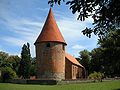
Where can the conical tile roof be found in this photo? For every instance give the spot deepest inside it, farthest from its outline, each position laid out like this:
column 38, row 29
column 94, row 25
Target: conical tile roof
column 50, row 31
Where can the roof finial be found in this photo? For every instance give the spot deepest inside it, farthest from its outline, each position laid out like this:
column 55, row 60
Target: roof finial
column 50, row 9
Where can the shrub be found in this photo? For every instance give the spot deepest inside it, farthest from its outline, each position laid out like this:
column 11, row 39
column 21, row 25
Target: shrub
column 7, row 73
column 96, row 76
column 32, row 70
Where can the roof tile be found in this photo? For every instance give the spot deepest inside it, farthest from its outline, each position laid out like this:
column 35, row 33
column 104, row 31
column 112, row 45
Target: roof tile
column 72, row 59
column 50, row 31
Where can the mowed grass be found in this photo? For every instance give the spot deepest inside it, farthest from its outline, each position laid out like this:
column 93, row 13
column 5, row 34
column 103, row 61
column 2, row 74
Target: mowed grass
column 108, row 85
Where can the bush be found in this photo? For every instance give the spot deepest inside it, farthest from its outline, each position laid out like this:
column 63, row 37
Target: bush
column 7, row 73
column 32, row 70
column 96, row 76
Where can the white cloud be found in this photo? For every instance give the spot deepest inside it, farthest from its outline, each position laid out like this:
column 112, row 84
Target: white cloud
column 75, row 49
column 25, row 29
column 78, row 47
column 42, row 9
column 0, row 47
column 22, row 26
column 13, row 41
column 71, row 30
column 28, row 29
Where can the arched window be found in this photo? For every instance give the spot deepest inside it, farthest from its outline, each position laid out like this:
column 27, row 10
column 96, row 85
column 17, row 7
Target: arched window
column 48, row 45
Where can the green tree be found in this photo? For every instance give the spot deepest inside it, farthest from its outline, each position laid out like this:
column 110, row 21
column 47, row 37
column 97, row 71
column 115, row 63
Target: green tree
column 33, row 67
column 105, row 14
column 25, row 63
column 111, row 53
column 10, row 61
column 4, row 59
column 96, row 60
column 7, row 73
column 14, row 61
column 85, row 60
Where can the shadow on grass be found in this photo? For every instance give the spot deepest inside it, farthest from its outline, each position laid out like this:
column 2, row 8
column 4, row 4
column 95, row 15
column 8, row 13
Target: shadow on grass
column 117, row 89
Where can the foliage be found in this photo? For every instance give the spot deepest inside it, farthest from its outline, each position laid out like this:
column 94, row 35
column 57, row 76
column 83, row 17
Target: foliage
column 25, row 63
column 7, row 73
column 14, row 61
column 96, row 60
column 96, row 76
column 32, row 70
column 105, row 14
column 4, row 59
column 11, row 61
column 112, row 40
column 33, row 67
column 105, row 58
column 85, row 60
column 24, row 66
column 110, row 47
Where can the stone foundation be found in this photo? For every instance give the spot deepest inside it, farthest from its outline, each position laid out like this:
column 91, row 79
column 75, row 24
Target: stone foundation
column 51, row 76
column 37, row 81
column 48, row 82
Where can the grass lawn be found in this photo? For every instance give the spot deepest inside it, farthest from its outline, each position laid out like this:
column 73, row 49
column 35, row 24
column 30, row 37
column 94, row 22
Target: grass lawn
column 108, row 85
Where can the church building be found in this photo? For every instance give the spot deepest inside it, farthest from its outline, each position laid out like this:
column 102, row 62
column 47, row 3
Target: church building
column 53, row 63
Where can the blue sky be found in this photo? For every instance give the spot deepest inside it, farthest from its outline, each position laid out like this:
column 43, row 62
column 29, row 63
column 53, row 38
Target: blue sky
column 21, row 21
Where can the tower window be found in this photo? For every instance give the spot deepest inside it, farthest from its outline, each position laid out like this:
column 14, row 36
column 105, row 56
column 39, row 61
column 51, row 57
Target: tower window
column 63, row 47
column 48, row 45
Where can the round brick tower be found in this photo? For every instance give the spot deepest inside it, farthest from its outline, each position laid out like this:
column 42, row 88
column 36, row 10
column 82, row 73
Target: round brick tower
column 50, row 51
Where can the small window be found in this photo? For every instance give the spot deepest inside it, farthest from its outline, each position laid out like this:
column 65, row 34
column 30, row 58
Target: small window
column 48, row 45
column 63, row 47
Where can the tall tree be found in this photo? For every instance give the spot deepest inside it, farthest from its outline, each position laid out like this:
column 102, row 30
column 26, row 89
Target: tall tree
column 33, row 67
column 105, row 14
column 96, row 60
column 25, row 63
column 85, row 60
column 111, row 53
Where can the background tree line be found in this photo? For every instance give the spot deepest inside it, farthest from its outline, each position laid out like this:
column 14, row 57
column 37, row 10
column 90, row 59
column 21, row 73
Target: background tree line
column 105, row 58
column 13, row 66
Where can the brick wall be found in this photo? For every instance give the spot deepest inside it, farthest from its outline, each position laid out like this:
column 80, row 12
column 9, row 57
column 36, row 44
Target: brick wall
column 72, row 71
column 68, row 69
column 50, row 61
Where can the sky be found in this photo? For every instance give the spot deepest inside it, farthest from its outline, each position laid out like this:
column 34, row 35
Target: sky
column 21, row 21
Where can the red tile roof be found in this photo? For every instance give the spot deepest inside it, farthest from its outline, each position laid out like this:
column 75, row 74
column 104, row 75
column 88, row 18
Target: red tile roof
column 72, row 59
column 50, row 31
